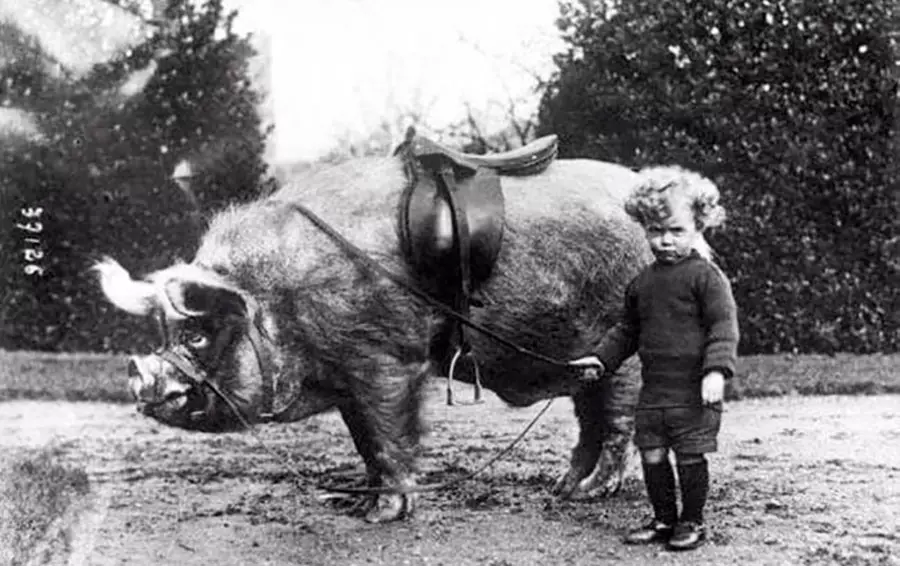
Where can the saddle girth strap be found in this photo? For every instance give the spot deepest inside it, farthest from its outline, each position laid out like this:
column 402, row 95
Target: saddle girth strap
column 446, row 183
column 461, row 237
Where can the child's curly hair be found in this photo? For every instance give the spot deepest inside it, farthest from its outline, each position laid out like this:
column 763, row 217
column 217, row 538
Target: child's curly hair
column 665, row 187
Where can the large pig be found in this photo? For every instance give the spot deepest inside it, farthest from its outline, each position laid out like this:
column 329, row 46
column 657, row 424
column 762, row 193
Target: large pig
column 284, row 321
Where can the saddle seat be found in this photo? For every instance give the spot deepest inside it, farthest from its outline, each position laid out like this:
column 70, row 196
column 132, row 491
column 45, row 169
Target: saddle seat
column 529, row 159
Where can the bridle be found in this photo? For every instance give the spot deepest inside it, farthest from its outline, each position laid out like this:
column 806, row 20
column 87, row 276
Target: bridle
column 201, row 378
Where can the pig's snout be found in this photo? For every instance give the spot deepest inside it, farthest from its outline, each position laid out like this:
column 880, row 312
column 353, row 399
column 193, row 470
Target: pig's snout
column 141, row 381
column 151, row 388
column 133, row 371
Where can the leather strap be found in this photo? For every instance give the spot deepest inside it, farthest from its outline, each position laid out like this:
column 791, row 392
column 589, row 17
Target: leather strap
column 461, row 240
column 462, row 243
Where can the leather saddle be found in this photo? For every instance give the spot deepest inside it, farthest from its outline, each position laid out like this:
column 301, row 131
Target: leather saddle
column 451, row 214
column 450, row 222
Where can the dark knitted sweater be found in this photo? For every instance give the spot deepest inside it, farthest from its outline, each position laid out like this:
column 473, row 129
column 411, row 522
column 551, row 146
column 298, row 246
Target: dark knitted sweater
column 681, row 319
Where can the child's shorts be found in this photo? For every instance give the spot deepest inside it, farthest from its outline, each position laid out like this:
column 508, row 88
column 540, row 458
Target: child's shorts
column 686, row 430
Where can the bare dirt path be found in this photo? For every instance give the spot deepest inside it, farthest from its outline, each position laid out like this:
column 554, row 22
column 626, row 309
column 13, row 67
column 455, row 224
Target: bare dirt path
column 798, row 480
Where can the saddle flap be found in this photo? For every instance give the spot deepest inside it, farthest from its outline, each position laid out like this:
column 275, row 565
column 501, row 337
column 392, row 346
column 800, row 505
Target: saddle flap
column 441, row 249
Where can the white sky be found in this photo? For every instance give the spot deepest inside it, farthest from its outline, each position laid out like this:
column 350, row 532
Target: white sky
column 342, row 66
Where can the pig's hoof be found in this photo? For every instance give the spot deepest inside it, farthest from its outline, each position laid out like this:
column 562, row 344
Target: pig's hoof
column 387, row 508
column 566, row 485
column 600, row 483
column 596, row 485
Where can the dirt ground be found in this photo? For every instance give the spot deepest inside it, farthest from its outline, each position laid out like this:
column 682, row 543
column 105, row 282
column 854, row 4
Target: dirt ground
column 798, row 480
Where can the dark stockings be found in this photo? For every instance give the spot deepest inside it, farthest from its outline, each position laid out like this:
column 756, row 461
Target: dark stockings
column 660, row 484
column 693, row 475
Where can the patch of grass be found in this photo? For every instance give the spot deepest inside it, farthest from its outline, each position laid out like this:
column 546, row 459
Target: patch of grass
column 35, row 491
column 842, row 374
column 69, row 377
column 101, row 377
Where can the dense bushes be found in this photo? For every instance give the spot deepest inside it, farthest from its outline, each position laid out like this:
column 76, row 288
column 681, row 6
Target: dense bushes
column 101, row 177
column 790, row 106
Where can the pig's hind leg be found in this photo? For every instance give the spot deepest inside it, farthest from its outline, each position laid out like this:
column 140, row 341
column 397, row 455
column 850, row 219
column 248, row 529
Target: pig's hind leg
column 605, row 413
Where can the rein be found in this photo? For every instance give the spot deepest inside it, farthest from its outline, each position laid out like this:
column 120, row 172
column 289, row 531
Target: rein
column 404, row 283
column 422, row 488
column 255, row 337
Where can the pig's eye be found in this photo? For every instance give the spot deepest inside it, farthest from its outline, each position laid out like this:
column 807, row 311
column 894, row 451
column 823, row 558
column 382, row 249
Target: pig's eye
column 196, row 340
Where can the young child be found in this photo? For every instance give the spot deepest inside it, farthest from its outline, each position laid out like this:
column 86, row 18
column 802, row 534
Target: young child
column 681, row 319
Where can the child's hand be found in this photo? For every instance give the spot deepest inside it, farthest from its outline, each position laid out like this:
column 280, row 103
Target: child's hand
column 592, row 366
column 712, row 389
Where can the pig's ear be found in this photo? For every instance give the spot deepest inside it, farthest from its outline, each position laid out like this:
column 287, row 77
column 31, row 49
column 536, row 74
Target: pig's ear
column 200, row 298
column 136, row 297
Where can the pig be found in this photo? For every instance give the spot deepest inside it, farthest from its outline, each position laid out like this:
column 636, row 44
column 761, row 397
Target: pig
column 287, row 324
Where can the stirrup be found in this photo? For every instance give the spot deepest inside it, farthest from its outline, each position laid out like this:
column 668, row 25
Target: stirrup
column 477, row 394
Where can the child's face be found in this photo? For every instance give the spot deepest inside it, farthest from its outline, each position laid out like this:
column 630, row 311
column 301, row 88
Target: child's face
column 672, row 239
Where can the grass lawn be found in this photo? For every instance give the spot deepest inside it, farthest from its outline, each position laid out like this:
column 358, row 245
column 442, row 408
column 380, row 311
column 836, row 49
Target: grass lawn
column 101, row 377
column 71, row 377
column 842, row 374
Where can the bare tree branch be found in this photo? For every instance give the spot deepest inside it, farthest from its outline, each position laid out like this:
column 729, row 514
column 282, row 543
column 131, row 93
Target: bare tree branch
column 523, row 129
column 158, row 9
column 515, row 62
column 475, row 130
